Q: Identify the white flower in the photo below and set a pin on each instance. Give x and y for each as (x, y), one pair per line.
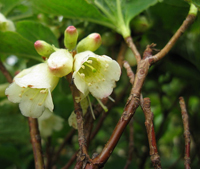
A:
(48, 123)
(5, 24)
(95, 74)
(32, 88)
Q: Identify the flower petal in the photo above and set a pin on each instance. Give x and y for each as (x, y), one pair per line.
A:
(13, 92)
(49, 102)
(102, 84)
(80, 83)
(31, 103)
(46, 114)
(38, 76)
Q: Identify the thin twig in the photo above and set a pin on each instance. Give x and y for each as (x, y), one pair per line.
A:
(186, 132)
(187, 22)
(131, 45)
(131, 145)
(5, 72)
(129, 71)
(36, 143)
(155, 158)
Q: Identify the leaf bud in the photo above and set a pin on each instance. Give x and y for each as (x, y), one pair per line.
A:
(43, 48)
(91, 43)
(70, 37)
(140, 24)
(60, 62)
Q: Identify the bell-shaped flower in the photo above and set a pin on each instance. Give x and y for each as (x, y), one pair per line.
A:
(60, 62)
(95, 74)
(32, 89)
(48, 123)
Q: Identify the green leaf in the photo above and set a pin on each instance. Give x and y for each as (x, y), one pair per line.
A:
(34, 31)
(14, 43)
(13, 125)
(197, 3)
(21, 43)
(7, 5)
(114, 14)
(177, 3)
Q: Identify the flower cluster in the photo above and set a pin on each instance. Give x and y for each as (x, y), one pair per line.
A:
(92, 73)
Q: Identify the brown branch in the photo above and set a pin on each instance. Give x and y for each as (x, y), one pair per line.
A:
(155, 158)
(5, 72)
(186, 132)
(129, 110)
(131, 45)
(131, 145)
(129, 71)
(83, 155)
(36, 143)
(187, 22)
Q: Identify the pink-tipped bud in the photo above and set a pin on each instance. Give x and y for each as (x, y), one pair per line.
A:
(91, 42)
(70, 37)
(43, 48)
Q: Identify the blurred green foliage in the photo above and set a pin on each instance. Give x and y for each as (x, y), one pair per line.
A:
(178, 74)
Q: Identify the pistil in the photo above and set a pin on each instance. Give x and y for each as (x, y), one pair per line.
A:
(86, 64)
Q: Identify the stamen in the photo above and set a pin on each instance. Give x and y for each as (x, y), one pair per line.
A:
(103, 79)
(43, 91)
(43, 100)
(93, 69)
(36, 93)
(83, 67)
(81, 74)
(89, 61)
(89, 84)
(20, 95)
(102, 105)
(111, 99)
(91, 109)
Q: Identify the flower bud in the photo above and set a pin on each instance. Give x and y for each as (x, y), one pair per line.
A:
(43, 48)
(71, 36)
(91, 43)
(60, 62)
